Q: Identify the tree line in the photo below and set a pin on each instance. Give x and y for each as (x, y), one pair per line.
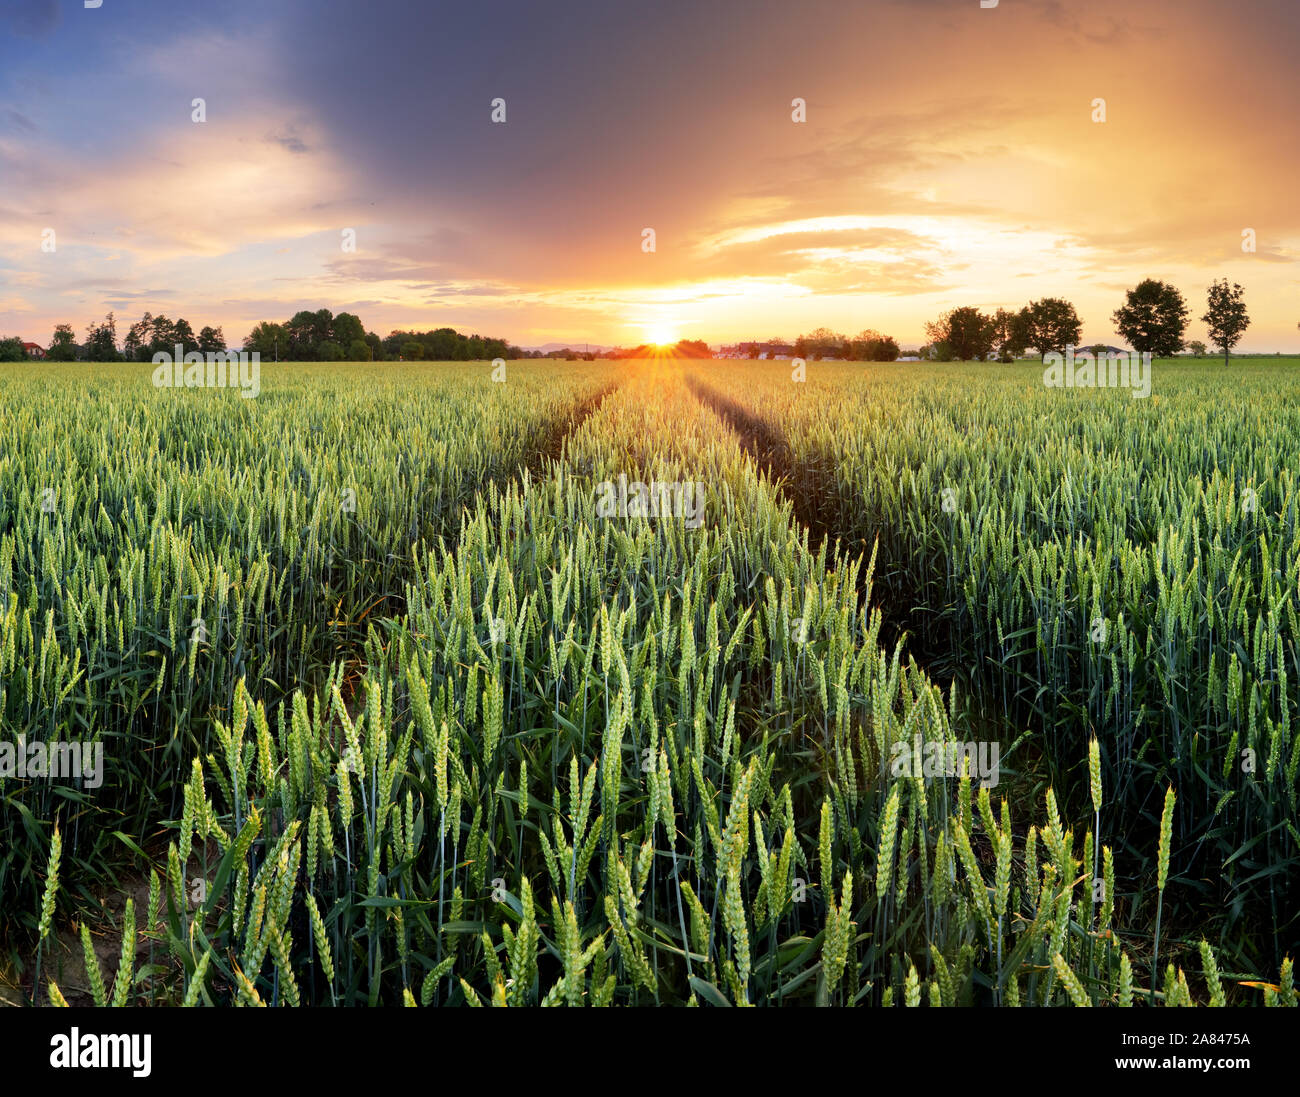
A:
(1153, 319)
(323, 337)
(308, 336)
(868, 345)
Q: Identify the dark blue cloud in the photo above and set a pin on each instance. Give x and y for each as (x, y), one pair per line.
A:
(620, 116)
(30, 18)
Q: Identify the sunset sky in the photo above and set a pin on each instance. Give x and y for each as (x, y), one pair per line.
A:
(949, 158)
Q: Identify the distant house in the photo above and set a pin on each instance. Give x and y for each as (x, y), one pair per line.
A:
(34, 350)
(910, 358)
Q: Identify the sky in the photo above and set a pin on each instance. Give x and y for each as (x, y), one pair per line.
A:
(949, 156)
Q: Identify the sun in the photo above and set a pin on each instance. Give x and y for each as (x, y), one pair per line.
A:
(662, 334)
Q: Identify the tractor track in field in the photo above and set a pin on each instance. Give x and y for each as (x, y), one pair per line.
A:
(811, 490)
(549, 451)
(553, 444)
(64, 958)
(806, 489)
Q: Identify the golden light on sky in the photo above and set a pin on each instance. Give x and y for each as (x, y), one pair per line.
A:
(962, 160)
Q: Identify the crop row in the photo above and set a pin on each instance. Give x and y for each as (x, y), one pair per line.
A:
(157, 547)
(1084, 564)
(605, 760)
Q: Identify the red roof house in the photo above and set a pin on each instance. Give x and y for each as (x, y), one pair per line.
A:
(34, 350)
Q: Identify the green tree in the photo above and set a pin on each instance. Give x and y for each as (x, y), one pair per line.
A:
(330, 351)
(358, 351)
(1009, 336)
(136, 344)
(101, 341)
(323, 326)
(163, 337)
(63, 348)
(1022, 333)
(856, 348)
(1197, 348)
(345, 328)
(212, 341)
(1226, 316)
(307, 331)
(267, 340)
(691, 348)
(819, 343)
(1050, 325)
(183, 335)
(412, 351)
(964, 333)
(1154, 319)
(880, 349)
(11, 350)
(442, 345)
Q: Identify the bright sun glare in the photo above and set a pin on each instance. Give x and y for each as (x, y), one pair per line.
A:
(662, 335)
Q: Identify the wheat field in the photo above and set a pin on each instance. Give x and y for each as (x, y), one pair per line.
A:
(392, 710)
